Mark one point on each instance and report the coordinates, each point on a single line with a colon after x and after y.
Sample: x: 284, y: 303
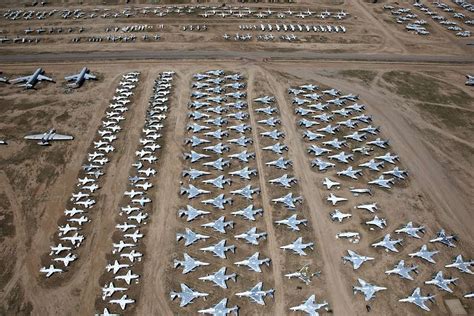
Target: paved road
x: 227, y: 55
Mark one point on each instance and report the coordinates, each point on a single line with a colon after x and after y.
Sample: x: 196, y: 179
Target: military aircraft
x: 419, y: 300
x: 310, y: 306
x: 275, y: 134
x: 218, y: 164
x: 196, y: 128
x: 218, y: 134
x: 31, y: 81
x: 402, y: 270
x: 462, y: 265
x: 332, y: 92
x: 194, y: 156
x: 284, y: 181
x: 356, y: 259
x: 253, y: 262
x: 109, y: 290
x: 248, y: 212
x: 219, y: 224
x: 276, y: 148
x: 219, y: 278
x: 470, y: 80
x: 192, y: 191
x: 339, y: 216
x: 190, y: 237
x: 269, y: 110
x: 317, y: 151
x: 363, y: 150
x: 350, y: 173
x: 329, y: 129
x: 424, y: 253
x: 265, y: 99
x: 312, y: 136
x: 218, y: 202
x: 298, y: 246
x: 123, y: 301
x: 371, y: 207
x: 372, y: 165
x: 307, y: 123
x: 246, y: 192
x: 376, y: 221
x: 367, y: 289
x: 58, y: 249
x: 188, y: 263
x: 256, y: 293
x: 328, y: 183
x: 388, y: 243
x: 396, y: 172
x: 191, y: 213
x: 243, y: 156
x: 187, y: 295
x: 342, y: 157
x: 241, y: 141
x: 196, y: 141
x: 79, y: 78
x: 220, y: 309
x: 218, y: 182
x: 47, y: 137
x: 335, y: 199
x: 382, y: 182
x: 441, y: 282
x: 280, y: 163
x: 411, y: 230
x: 272, y: 121
x: 116, y: 267
x: 388, y: 157
x: 379, y: 143
x: 244, y: 173
x: 288, y: 200
x: 445, y: 239
x: 251, y: 236
x: 50, y: 270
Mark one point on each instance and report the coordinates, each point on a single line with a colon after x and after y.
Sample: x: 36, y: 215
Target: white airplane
x: 298, y: 246
x: 47, y: 137
x: 219, y: 249
x: 116, y: 267
x: 134, y: 236
x: 192, y: 191
x: 372, y: 165
x: 31, y: 81
x: 128, y: 277
x: 402, y: 270
x: 121, y: 245
x: 284, y: 181
x: 84, y: 181
x: 256, y: 293
x: 376, y: 221
x: 310, y: 306
x: 356, y: 259
x: 123, y: 301
x: 280, y: 163
x: 142, y: 201
x: 218, y: 202
x: 342, y: 157
x: 288, y: 200
x: 425, y: 254
x: 339, y: 216
x: 441, y: 282
x: 371, y: 207
x: 251, y: 236
x: 248, y: 212
x: 74, y: 239
x: 218, y: 164
x: 337, y: 144
x: 276, y: 148
x: 190, y: 237
x: 79, y: 78
x: 411, y: 230
x: 133, y: 193
x: 72, y: 212
x: 274, y: 134
x: 388, y: 157
x: 188, y: 263
x: 243, y: 156
x: 419, y: 300
x: 246, y: 192
x: 350, y: 172
x: 125, y: 226
x: 367, y: 289
x: 328, y: 183
x: 64, y: 230
x: 194, y: 174
x: 382, y: 182
x: 322, y: 164
x: 253, y: 262
x: 66, y: 260
x: 387, y: 243
x: 220, y: 309
x: 187, y: 295
x: 139, y: 217
x: 462, y: 265
x: 218, y: 182
x: 335, y: 199
x: 219, y: 278
x: 109, y: 290
x: 317, y: 151
x: 58, y: 249
x: 292, y: 222
x: 191, y: 213
x: 219, y: 225
x: 396, y: 172
x: 50, y: 270
x: 241, y: 141
x: 445, y: 239
x: 265, y: 99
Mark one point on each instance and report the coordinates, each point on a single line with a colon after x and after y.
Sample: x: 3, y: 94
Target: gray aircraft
x: 253, y: 262
x: 241, y: 116
x: 382, y: 182
x: 363, y: 150
x: 218, y: 182
x: 342, y: 157
x: 218, y: 202
x: 298, y: 246
x: 328, y: 183
x: 411, y: 230
x: 312, y: 136
x: 187, y: 295
x: 372, y: 165
x: 275, y: 134
x: 241, y: 141
x: 220, y: 309
x: 356, y: 259
x: 367, y: 289
x: 402, y: 270
x: 310, y: 306
x: 388, y: 157
x: 271, y: 121
x: 219, y: 277
x: 191, y: 213
x: 332, y: 92
x: 307, y: 123
x: 425, y: 254
x: 196, y: 141
x: 218, y: 148
x: 190, y: 237
x: 350, y: 172
x: 189, y: 264
x: 318, y: 151
x: 31, y: 81
x: 194, y: 173
x: 335, y: 143
x: 322, y: 164
x: 251, y: 236
x: 196, y: 128
x: 78, y: 79
x: 284, y: 181
x: 219, y: 134
x: 322, y: 117
x: 276, y: 148
x: 269, y: 110
x: 219, y: 225
x: 218, y: 164
x: 47, y: 137
x: 396, y: 172
x: 265, y: 99
x: 370, y: 129
x: 196, y: 115
x: 241, y: 128
x: 388, y: 243
x: 248, y: 212
x: 461, y: 265
x: 246, y: 192
x: 194, y: 156
x: 243, y: 156
x: 379, y: 143
x: 292, y: 222
x: 418, y: 299
x: 441, y: 282
x: 445, y: 239
x: 288, y: 200
x: 256, y: 293
x: 335, y: 199
x: 280, y: 163
x: 244, y: 173
x: 376, y: 221
x: 339, y: 216
x: 192, y: 191
x: 329, y: 129
x: 219, y: 249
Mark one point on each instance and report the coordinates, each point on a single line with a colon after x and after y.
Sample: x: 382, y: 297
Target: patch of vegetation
x: 366, y: 76
x: 448, y: 117
x: 425, y: 89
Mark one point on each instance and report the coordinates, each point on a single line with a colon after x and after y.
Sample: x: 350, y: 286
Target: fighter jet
x: 363, y: 150
x: 220, y: 309
x: 269, y: 110
x: 298, y: 246
x: 218, y: 182
x: 247, y: 192
x: 271, y: 121
x: 251, y: 236
x: 388, y: 157
x: 379, y: 143
x: 419, y: 300
x: 194, y: 174
x: 196, y: 128
x: 332, y: 92
x: 387, y: 243
x: 80, y: 78
x: 445, y: 239
x: 307, y: 123
x: 288, y: 200
x: 372, y: 165
x: 276, y: 148
x: 243, y: 156
x: 50, y: 270
x: 241, y: 128
x: 241, y: 141
x: 109, y: 290
x: 196, y: 141
x: 191, y: 213
x: 284, y: 181
x: 400, y: 174
x: 350, y: 172
x: 253, y: 262
x: 342, y: 157
x: 322, y: 164
x: 187, y: 295
x: 218, y: 202
x: 328, y: 183
x: 280, y: 163
x: 194, y: 156
x: 335, y: 199
x: 329, y: 129
x: 265, y: 99
x: 219, y: 278
x: 372, y: 207
x: 123, y: 301
x: 356, y: 259
x: 312, y: 136
x: 31, y: 81
x: 339, y: 216
x: 219, y: 225
x: 424, y: 253
x: 256, y: 293
x: 218, y: 134
x: 241, y: 116
x: 219, y: 249
x: 317, y: 151
x: 402, y: 270
x: 58, y: 249
x: 275, y: 134
x: 382, y: 182
x: 244, y: 173
x: 248, y: 213
x: 188, y: 263
x: 367, y: 289
x: 218, y: 164
x: 441, y: 282
x: 116, y: 267
x: 411, y: 231
x: 462, y: 265
x: 310, y: 306
x: 190, y: 237
x: 376, y: 221
x: 47, y: 137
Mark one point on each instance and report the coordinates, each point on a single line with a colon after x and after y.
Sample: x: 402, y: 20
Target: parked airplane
x: 288, y: 200
x: 298, y: 246
x: 187, y: 295
x: 376, y: 221
x: 79, y: 78
x: 190, y: 237
x: 218, y: 202
x: 248, y: 212
x: 335, y: 199
x: 310, y: 306
x: 388, y: 243
x: 251, y: 236
x: 367, y: 289
x: 192, y: 191
x: 402, y: 270
x: 425, y: 254
x: 382, y: 182
x: 411, y: 230
x: 50, y: 270
x: 356, y: 259
x: 123, y: 301
x: 128, y: 277
x: 109, y: 290
x: 219, y: 224
x: 220, y: 309
x: 191, y: 213
x: 462, y: 265
x: 253, y: 262
x: 418, y: 299
x: 445, y: 239
x: 441, y: 282
x: 47, y: 137
x: 256, y: 293
x: 189, y: 264
x: 31, y: 81
x: 339, y: 216
x: 219, y: 278
x: 284, y: 181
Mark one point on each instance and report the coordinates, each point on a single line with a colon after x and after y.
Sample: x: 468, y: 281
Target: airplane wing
x: 61, y: 137
x: 73, y: 77
x: 20, y: 79
x: 41, y: 78
x: 89, y: 76
x: 34, y: 136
